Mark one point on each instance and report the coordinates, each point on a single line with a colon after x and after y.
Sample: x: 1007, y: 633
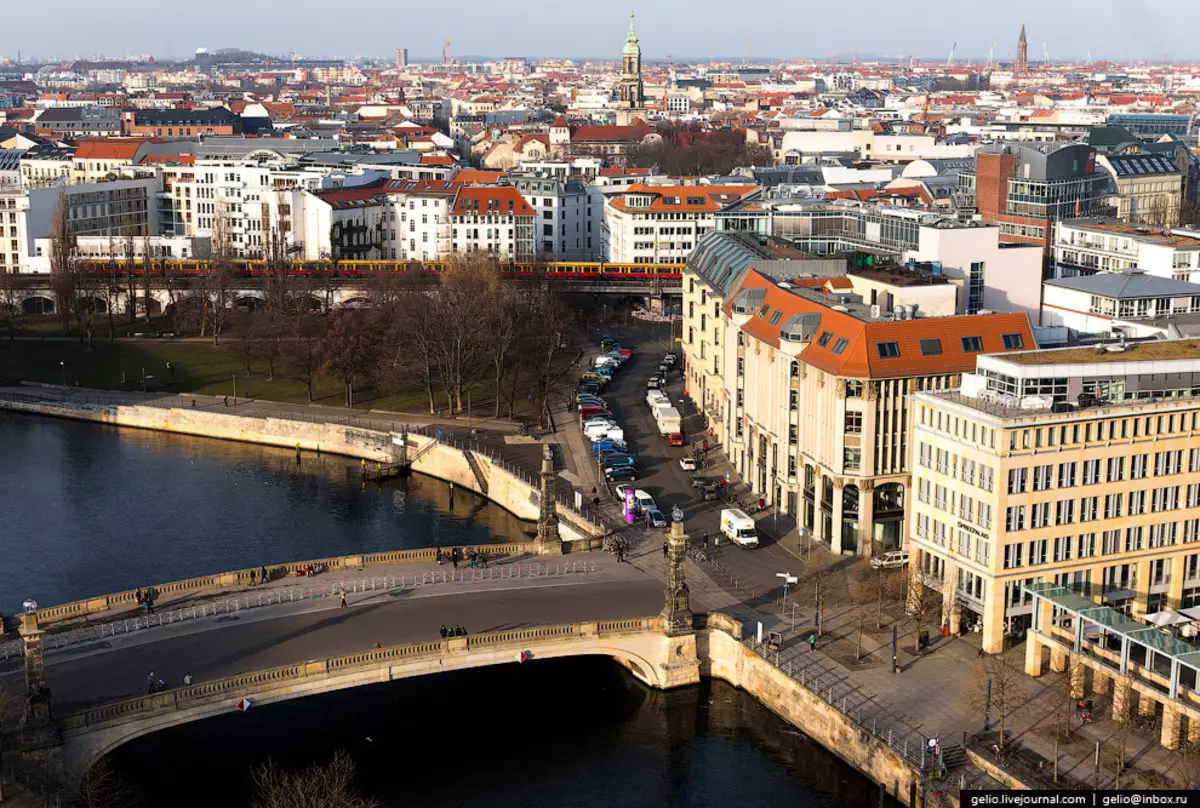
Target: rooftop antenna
x: 950, y: 58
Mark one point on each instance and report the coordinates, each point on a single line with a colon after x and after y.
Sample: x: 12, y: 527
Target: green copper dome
x: 631, y: 42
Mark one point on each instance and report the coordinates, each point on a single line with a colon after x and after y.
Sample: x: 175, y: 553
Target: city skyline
x: 1110, y: 33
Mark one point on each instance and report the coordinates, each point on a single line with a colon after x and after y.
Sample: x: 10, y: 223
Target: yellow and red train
x: 250, y: 267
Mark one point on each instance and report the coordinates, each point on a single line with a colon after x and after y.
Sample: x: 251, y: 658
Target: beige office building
x: 1075, y: 466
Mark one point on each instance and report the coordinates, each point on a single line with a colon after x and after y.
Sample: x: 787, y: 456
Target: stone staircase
x: 477, y: 470
x: 953, y: 756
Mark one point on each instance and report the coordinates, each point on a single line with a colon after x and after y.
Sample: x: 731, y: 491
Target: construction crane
x: 747, y: 59
x: 950, y: 58
x: 991, y: 53
x: 1087, y: 49
x: 446, y: 51
x: 1046, y: 54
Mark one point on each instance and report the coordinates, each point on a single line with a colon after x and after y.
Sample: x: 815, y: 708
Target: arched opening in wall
x: 149, y: 307
x: 93, y: 305
x: 888, y: 517
x: 247, y: 303
x: 37, y: 305
x: 310, y: 304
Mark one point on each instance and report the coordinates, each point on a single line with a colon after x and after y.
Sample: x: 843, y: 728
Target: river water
x: 86, y: 510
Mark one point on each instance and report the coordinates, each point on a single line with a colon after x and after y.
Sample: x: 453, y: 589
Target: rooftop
x: 1126, y: 285
x: 1179, y: 237
x: 1155, y: 351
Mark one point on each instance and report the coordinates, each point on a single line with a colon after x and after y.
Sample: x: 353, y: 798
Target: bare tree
x: 502, y: 324
x: 130, y: 263
x: 146, y: 274
x: 329, y: 785
x: 276, y: 269
x: 1118, y: 746
x: 547, y: 320
x: 271, y: 337
x: 302, y: 357
x: 64, y: 263
x: 110, y: 287
x: 823, y: 581
x: 217, y: 279
x: 995, y: 689
x: 246, y: 346
x: 348, y: 348
x: 101, y: 787
x: 920, y: 600
x: 8, y: 303
x: 461, y: 332
x: 1066, y: 691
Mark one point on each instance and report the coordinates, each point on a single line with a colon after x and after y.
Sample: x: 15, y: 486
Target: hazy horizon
x: 686, y: 30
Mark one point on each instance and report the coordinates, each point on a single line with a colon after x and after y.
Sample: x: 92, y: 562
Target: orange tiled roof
x: 476, y: 176
x: 485, y: 199
x: 109, y: 148
x: 860, y: 357
x: 170, y: 159
x: 437, y: 160
x: 709, y: 198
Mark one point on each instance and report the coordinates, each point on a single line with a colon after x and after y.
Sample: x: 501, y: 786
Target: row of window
x: 960, y: 468
x: 963, y: 506
x: 955, y: 540
x: 1108, y: 542
x: 1115, y: 506
x: 1090, y: 472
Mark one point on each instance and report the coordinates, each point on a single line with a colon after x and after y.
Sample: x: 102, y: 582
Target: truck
x: 739, y: 527
x: 668, y: 419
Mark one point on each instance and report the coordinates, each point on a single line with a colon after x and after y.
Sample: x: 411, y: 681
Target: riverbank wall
x: 466, y: 467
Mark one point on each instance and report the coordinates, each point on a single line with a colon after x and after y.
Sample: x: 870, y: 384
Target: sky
x: 1114, y: 29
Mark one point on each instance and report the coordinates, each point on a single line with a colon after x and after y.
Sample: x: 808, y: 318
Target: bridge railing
x: 243, y: 685
x: 830, y: 686
x: 290, y: 594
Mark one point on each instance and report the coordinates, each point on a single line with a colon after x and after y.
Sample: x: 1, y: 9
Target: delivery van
x: 739, y: 527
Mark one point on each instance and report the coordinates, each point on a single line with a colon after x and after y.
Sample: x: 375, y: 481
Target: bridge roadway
x: 209, y: 649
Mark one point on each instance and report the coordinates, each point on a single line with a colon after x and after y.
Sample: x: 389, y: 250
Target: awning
x: 1167, y: 617
x: 1192, y: 613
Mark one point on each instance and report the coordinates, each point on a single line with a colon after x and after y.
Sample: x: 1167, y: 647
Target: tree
x: 246, y: 346
x: 217, y: 279
x: 130, y: 264
x: 270, y: 335
x: 276, y: 269
x: 146, y: 272
x: 1067, y: 690
x: 502, y: 324
x: 460, y: 333
x: 348, y: 348
x: 8, y: 303
x: 920, y: 600
x: 882, y: 586
x: 329, y: 785
x: 302, y: 357
x: 101, y: 787
x: 547, y: 320
x: 995, y: 688
x: 823, y: 581
x: 64, y: 263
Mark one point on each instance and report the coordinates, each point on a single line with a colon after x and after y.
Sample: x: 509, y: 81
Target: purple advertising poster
x: 630, y: 508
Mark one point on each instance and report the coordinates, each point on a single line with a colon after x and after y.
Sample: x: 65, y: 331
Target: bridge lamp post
x: 62, y: 366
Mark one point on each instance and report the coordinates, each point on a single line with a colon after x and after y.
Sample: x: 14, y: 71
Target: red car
x: 625, y: 352
x: 675, y: 439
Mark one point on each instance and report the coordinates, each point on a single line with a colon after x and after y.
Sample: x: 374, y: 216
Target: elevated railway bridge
x: 327, y: 284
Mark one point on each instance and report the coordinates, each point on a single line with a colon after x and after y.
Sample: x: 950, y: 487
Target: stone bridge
x: 639, y: 644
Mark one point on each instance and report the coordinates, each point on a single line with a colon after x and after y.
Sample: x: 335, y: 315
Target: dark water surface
x: 576, y: 733
x: 86, y: 509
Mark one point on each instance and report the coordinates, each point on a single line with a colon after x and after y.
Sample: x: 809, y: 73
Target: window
x: 854, y: 422
x: 1042, y: 475
x: 972, y: 344
x: 823, y: 340
x: 1062, y: 548
x: 1037, y: 551
x: 1012, y: 341
x: 1066, y: 512
x: 852, y: 457
x: 840, y: 345
x: 1091, y: 472
x: 1088, y: 507
x: 966, y: 508
x: 888, y: 350
x: 987, y: 478
x: 1016, y: 480
x: 1139, y: 465
x: 1012, y: 556
x: 776, y: 317
x: 931, y: 347
x: 764, y: 311
x: 1116, y: 469
x: 1066, y: 475
x: 1015, y: 518
x: 968, y: 471
x: 1039, y: 515
x: 1137, y: 503
x: 1112, y: 506
x: 1087, y: 545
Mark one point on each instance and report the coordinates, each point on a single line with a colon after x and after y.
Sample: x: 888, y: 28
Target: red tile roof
x: 109, y: 148
x: 477, y: 176
x: 687, y: 198
x: 860, y: 356
x: 485, y: 199
x: 437, y: 160
x: 635, y: 131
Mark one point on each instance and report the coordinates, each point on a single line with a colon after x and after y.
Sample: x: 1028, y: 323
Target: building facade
x: 661, y: 224
x: 1077, y: 466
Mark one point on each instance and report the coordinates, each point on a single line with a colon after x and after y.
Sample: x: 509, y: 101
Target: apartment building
x: 1077, y: 466
x: 495, y: 220
x: 570, y: 216
x: 45, y: 164
x: 813, y: 391
x: 1149, y: 187
x: 987, y: 273
x: 1086, y: 246
x: 661, y: 224
x: 1130, y: 303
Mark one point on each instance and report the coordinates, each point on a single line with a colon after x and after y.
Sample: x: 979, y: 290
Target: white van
x: 739, y: 527
x: 643, y: 501
x: 654, y: 398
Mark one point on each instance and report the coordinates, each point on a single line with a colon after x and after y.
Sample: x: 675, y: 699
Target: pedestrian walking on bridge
x: 445, y: 631
x: 342, y: 594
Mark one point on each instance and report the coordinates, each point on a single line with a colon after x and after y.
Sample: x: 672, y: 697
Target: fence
x: 830, y: 686
x: 291, y: 594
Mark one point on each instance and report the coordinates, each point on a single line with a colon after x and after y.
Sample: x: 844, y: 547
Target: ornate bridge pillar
x: 41, y: 742
x: 682, y: 665
x: 548, y: 538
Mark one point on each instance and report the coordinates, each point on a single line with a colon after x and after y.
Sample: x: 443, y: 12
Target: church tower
x: 1022, y: 52
x: 632, y: 91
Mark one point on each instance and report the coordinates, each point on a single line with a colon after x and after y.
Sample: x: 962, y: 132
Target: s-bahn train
x: 251, y: 267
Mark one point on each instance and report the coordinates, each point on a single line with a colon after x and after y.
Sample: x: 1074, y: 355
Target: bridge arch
x: 37, y: 304
x: 637, y: 644
x: 93, y: 305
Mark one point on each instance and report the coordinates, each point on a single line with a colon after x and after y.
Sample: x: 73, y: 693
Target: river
x: 86, y: 510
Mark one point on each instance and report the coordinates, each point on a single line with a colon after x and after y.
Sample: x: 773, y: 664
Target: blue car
x: 607, y: 446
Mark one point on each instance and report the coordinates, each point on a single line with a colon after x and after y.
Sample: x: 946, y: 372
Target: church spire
x: 632, y: 33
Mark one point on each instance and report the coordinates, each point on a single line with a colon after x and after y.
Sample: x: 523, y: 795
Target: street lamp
x: 62, y: 366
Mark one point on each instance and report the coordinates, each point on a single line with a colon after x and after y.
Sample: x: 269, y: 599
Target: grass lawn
x: 201, y: 367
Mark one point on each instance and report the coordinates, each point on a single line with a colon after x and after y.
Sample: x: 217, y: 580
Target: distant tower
x: 401, y: 57
x: 632, y: 93
x: 1022, y: 52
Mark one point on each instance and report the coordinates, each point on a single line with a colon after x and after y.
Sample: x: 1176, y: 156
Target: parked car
x: 603, y: 446
x: 654, y: 518
x: 687, y: 463
x: 663, y: 367
x: 643, y: 501
x: 892, y: 559
x: 589, y: 400
x: 671, y: 357
x: 653, y: 383
x: 603, y: 372
x: 625, y: 352
x: 619, y: 491
x: 611, y: 453
x: 675, y: 439
x: 600, y: 432
x: 614, y: 461
x: 707, y: 492
x: 621, y: 473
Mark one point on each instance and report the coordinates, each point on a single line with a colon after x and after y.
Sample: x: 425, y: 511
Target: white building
x: 661, y: 224
x: 570, y: 216
x: 495, y: 220
x: 1131, y: 303
x: 1085, y: 246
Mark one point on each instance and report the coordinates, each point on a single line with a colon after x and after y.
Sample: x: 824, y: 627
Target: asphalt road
x: 658, y: 463
x: 228, y: 647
